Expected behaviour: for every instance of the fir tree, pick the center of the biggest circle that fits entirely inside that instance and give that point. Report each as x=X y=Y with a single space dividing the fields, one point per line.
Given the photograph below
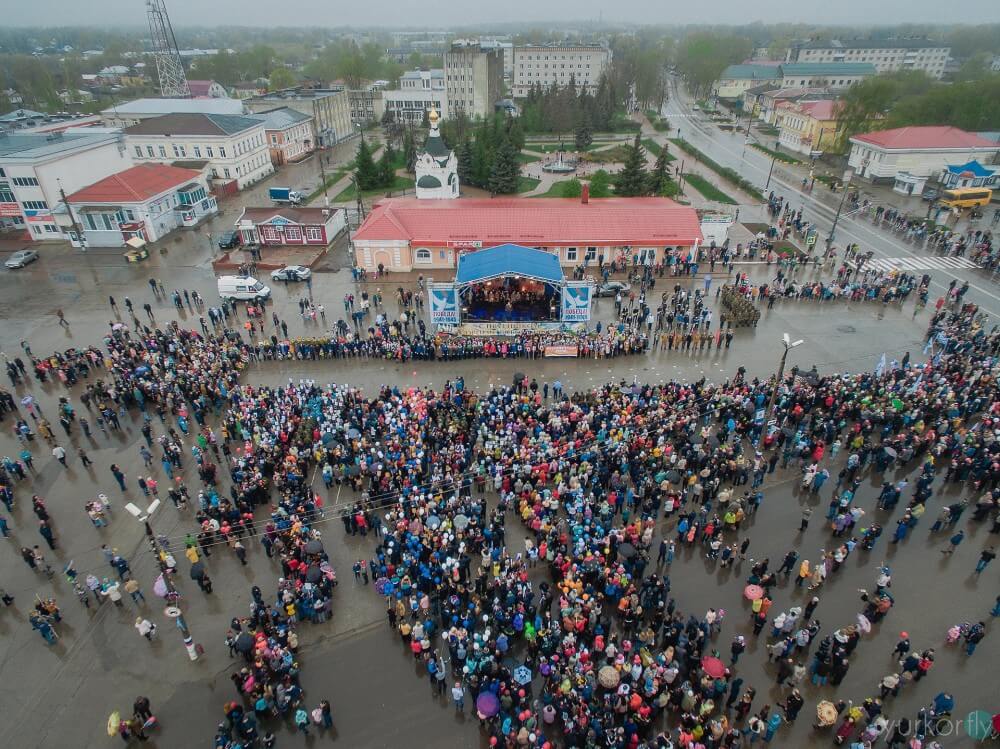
x=365 y=171
x=505 y=171
x=409 y=151
x=387 y=167
x=584 y=137
x=465 y=163
x=632 y=180
x=659 y=178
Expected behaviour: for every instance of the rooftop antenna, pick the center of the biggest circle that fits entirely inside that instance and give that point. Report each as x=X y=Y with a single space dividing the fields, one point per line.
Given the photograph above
x=169 y=68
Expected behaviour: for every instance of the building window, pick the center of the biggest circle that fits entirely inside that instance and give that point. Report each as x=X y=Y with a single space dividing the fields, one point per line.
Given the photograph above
x=209 y=152
x=138 y=152
x=571 y=254
x=25 y=181
x=197 y=152
x=6 y=196
x=314 y=233
x=222 y=152
x=50 y=228
x=423 y=256
x=591 y=254
x=149 y=152
x=226 y=172
x=293 y=233
x=163 y=152
x=35 y=205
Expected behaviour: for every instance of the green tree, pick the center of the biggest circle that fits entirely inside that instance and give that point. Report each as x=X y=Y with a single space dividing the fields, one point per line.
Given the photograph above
x=572 y=188
x=584 y=137
x=280 y=78
x=701 y=57
x=387 y=167
x=465 y=163
x=600 y=184
x=409 y=151
x=632 y=180
x=659 y=178
x=505 y=170
x=366 y=172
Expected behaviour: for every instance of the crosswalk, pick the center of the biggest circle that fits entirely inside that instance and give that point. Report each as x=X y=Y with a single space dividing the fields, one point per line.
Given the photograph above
x=887 y=264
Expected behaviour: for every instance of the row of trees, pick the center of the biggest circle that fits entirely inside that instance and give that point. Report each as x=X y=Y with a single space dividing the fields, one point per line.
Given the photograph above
x=372 y=175
x=702 y=57
x=487 y=151
x=634 y=180
x=563 y=109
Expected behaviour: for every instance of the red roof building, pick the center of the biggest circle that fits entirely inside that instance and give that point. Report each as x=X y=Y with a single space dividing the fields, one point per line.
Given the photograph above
x=404 y=234
x=207 y=90
x=145 y=202
x=907 y=157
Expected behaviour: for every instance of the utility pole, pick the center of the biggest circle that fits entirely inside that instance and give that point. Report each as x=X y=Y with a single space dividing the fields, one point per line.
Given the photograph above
x=769 y=172
x=847 y=184
x=788 y=346
x=77 y=228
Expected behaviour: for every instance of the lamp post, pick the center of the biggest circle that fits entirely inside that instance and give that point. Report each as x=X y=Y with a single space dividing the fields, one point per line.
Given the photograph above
x=788 y=344
x=848 y=175
x=172 y=595
x=769 y=173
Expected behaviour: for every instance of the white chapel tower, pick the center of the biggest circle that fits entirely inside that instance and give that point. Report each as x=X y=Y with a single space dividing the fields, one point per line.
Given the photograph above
x=437 y=166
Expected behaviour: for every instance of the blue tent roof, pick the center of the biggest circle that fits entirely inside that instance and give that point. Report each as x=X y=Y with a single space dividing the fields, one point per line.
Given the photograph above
x=508 y=260
x=973 y=167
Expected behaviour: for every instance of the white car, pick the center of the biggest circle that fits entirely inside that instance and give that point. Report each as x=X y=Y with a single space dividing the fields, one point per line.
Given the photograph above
x=291 y=273
x=21 y=258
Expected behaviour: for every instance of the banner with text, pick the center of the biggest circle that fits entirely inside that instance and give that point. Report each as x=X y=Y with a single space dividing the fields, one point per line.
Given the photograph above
x=444 y=304
x=576 y=297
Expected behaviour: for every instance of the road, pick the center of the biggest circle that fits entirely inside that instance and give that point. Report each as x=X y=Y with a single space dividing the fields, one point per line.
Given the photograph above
x=729 y=150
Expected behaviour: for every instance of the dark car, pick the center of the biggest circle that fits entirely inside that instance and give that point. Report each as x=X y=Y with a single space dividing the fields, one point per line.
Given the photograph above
x=229 y=240
x=611 y=288
x=930 y=195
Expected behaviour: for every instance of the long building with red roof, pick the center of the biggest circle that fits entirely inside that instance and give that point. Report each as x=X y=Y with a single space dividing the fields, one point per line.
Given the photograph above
x=405 y=234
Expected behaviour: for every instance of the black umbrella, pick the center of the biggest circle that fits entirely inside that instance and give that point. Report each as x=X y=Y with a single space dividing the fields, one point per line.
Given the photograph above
x=313 y=574
x=626 y=551
x=518 y=378
x=673 y=477
x=197 y=570
x=244 y=642
x=314 y=547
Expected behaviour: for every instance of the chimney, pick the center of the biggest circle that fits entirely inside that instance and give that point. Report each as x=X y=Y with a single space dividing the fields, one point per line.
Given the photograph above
x=585 y=194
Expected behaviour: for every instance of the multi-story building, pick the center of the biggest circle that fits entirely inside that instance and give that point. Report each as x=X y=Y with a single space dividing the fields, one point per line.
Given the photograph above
x=131 y=113
x=289 y=134
x=146 y=202
x=556 y=65
x=807 y=127
x=330 y=110
x=36 y=168
x=506 y=49
x=207 y=89
x=233 y=147
x=834 y=75
x=473 y=78
x=419 y=91
x=366 y=104
x=887 y=55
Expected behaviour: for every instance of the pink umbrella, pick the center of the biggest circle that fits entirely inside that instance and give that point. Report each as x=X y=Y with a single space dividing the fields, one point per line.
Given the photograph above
x=753 y=592
x=713 y=666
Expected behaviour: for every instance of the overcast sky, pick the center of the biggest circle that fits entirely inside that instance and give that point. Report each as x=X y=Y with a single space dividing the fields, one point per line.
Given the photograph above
x=444 y=13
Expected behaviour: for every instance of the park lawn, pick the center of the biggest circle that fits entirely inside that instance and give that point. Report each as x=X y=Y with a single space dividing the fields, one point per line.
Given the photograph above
x=782 y=157
x=569 y=145
x=708 y=190
x=528 y=158
x=654 y=148
x=398 y=185
x=332 y=178
x=527 y=184
x=555 y=190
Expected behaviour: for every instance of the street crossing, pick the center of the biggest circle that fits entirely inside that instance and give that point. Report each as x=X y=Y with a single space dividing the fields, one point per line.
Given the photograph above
x=887 y=264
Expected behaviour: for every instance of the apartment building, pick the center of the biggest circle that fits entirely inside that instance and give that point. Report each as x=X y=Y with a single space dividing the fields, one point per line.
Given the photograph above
x=473 y=78
x=887 y=55
x=419 y=91
x=330 y=110
x=548 y=66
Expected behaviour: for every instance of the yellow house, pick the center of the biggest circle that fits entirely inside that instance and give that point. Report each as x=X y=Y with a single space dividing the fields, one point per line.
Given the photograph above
x=807 y=126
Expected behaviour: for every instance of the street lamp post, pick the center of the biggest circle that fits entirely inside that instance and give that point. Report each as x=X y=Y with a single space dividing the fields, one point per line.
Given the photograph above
x=848 y=175
x=769 y=172
x=788 y=344
x=172 y=594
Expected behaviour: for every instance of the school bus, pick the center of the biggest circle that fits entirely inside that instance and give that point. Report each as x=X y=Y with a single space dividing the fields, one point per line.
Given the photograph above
x=966 y=197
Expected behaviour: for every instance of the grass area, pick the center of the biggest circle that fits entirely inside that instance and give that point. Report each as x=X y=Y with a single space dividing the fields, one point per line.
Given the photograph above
x=398 y=185
x=654 y=148
x=708 y=190
x=331 y=179
x=782 y=157
x=725 y=172
x=568 y=145
x=527 y=184
x=622 y=123
x=527 y=158
x=563 y=189
x=768 y=129
x=613 y=154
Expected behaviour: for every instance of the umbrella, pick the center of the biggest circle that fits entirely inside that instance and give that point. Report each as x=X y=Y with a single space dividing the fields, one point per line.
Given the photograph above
x=863 y=624
x=826 y=713
x=522 y=674
x=197 y=570
x=113 y=720
x=461 y=522
x=160 y=587
x=673 y=476
x=27 y=400
x=244 y=642
x=313 y=574
x=487 y=704
x=518 y=378
x=353 y=433
x=314 y=546
x=608 y=677
x=979 y=725
x=753 y=592
x=713 y=666
x=626 y=551
x=889 y=451
x=433 y=522
x=141 y=370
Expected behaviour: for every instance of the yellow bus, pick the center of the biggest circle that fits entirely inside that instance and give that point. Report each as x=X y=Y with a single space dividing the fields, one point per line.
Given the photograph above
x=966 y=197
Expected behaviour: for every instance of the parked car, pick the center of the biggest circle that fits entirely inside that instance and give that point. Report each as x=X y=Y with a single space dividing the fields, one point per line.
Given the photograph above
x=611 y=288
x=229 y=240
x=242 y=288
x=291 y=273
x=21 y=258
x=930 y=195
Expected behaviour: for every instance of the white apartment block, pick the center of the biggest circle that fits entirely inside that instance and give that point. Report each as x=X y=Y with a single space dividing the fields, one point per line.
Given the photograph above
x=887 y=55
x=419 y=91
x=555 y=66
x=473 y=79
x=235 y=147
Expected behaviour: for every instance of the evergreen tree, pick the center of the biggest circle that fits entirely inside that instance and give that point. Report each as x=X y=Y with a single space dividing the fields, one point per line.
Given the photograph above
x=409 y=151
x=584 y=137
x=505 y=171
x=659 y=178
x=482 y=161
x=632 y=180
x=600 y=184
x=465 y=162
x=387 y=167
x=365 y=171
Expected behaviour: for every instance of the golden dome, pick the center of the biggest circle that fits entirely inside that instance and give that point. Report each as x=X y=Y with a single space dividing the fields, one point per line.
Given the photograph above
x=433 y=116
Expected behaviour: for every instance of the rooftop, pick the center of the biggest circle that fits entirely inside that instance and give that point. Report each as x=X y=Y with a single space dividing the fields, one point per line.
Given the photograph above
x=16 y=146
x=284 y=215
x=827 y=68
x=135 y=185
x=840 y=44
x=171 y=106
x=752 y=72
x=527 y=221
x=823 y=109
x=281 y=117
x=298 y=93
x=194 y=124
x=924 y=137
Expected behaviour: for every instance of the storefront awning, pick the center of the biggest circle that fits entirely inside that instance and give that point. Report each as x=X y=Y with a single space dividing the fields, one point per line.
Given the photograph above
x=136 y=243
x=508 y=260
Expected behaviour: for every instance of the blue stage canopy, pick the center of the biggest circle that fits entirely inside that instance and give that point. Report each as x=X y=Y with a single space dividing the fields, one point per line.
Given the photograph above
x=508 y=260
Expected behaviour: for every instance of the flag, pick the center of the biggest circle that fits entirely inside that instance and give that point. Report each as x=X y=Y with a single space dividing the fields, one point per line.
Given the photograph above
x=916 y=384
x=880 y=367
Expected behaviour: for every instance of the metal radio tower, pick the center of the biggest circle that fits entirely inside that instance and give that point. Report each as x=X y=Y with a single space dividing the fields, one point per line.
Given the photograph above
x=173 y=82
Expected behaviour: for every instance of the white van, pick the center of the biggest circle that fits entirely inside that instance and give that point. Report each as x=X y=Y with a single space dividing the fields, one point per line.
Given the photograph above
x=242 y=288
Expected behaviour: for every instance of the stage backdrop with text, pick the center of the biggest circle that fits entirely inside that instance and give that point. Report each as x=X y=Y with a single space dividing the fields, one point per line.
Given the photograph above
x=576 y=296
x=444 y=304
